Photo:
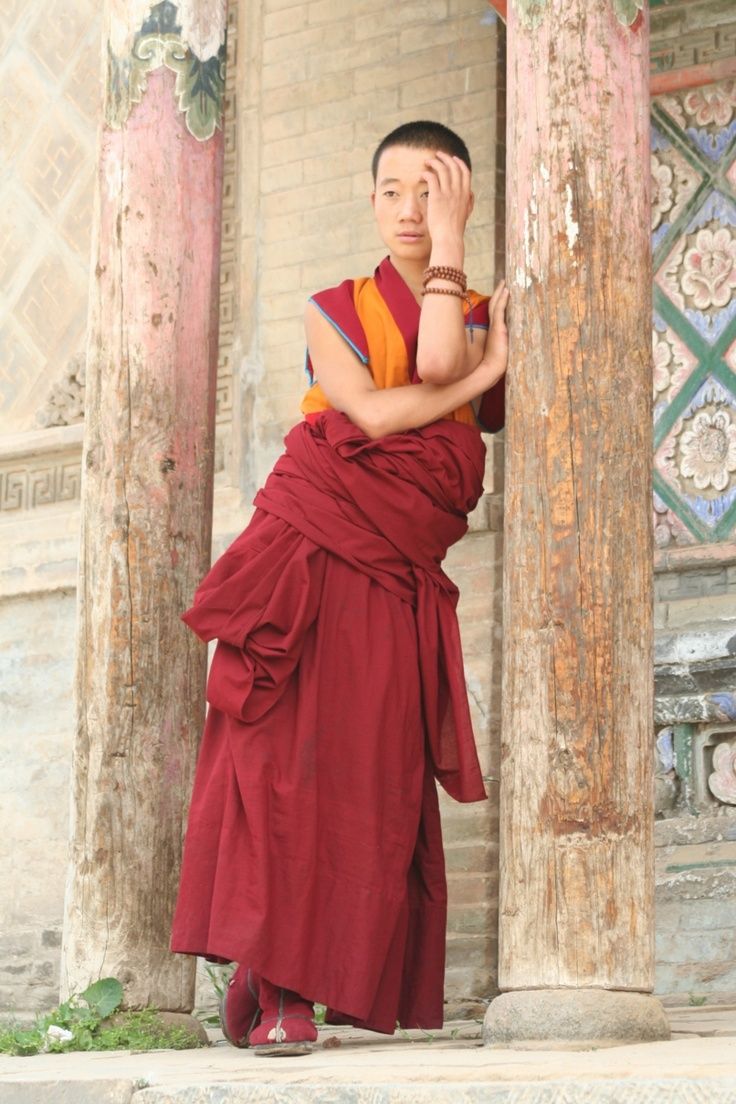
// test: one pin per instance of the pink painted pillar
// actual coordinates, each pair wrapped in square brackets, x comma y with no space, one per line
[576,925]
[146,497]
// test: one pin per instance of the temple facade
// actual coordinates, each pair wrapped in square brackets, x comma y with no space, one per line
[303,93]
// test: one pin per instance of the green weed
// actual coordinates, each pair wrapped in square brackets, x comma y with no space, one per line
[84,1023]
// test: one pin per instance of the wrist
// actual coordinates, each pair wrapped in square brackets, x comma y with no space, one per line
[449,250]
[493,367]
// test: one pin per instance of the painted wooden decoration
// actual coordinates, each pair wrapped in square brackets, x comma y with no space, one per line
[146,502]
[188,38]
[530,11]
[722,781]
[693,152]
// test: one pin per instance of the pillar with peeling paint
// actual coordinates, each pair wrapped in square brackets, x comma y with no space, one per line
[146,492]
[576,926]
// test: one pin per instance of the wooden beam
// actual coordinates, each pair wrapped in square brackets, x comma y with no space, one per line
[673,80]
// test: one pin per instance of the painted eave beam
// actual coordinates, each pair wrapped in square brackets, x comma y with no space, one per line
[672,80]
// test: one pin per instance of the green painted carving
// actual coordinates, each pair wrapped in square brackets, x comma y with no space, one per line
[626,11]
[200,85]
[530,11]
[683,746]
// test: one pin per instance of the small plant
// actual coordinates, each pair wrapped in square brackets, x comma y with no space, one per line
[697,1001]
[84,1023]
[219,977]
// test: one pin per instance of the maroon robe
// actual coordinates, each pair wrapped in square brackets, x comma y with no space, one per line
[336,698]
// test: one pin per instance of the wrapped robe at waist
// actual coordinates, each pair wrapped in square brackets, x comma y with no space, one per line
[389,507]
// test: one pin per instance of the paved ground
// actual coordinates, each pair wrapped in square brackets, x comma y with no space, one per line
[698,1066]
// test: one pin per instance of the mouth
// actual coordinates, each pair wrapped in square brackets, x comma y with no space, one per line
[408,236]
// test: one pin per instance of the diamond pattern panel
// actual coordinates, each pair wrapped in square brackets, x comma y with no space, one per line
[693,150]
[51,97]
[49,66]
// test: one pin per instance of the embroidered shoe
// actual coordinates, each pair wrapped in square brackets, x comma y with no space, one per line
[287,1023]
[239,1009]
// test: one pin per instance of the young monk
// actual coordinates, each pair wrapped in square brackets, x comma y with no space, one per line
[313,855]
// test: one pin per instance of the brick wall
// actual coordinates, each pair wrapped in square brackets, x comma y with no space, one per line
[329,80]
[319,85]
[690,32]
[35,723]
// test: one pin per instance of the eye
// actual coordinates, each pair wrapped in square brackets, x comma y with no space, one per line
[390,193]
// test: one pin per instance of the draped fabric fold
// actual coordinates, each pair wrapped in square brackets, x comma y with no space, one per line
[336,693]
[393,511]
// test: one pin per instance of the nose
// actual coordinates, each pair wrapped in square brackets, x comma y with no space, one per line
[410,211]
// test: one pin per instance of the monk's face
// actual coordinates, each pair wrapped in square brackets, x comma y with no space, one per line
[400,202]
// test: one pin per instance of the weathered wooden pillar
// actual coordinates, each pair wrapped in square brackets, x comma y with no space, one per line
[576,898]
[146,493]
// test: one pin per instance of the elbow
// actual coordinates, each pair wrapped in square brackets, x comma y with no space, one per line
[439,370]
[371,425]
[368,420]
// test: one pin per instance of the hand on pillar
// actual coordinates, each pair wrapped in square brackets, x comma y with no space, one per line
[496,352]
[488,376]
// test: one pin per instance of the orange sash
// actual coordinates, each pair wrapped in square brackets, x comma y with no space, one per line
[378,317]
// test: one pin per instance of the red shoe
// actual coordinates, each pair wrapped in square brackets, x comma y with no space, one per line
[287,1022]
[239,1009]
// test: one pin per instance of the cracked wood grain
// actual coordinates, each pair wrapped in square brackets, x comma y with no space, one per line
[577,709]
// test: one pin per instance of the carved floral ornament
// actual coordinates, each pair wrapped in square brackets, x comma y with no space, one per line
[673,185]
[711,105]
[530,11]
[672,363]
[187,37]
[698,457]
[722,782]
[708,450]
[709,268]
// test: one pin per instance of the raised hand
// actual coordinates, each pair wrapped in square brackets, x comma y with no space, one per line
[449,201]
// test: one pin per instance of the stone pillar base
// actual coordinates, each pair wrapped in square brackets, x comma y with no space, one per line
[573,1019]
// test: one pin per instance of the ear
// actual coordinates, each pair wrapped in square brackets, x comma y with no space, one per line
[471,203]
[373,200]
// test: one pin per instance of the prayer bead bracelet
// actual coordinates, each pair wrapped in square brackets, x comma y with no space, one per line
[445,272]
[448,291]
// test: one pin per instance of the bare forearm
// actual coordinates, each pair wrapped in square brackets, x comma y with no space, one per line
[441,345]
[395,409]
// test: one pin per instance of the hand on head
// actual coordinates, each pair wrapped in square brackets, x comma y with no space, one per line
[450,198]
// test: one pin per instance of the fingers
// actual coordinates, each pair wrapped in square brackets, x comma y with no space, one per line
[441,172]
[451,172]
[497,305]
[495,296]
[464,173]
